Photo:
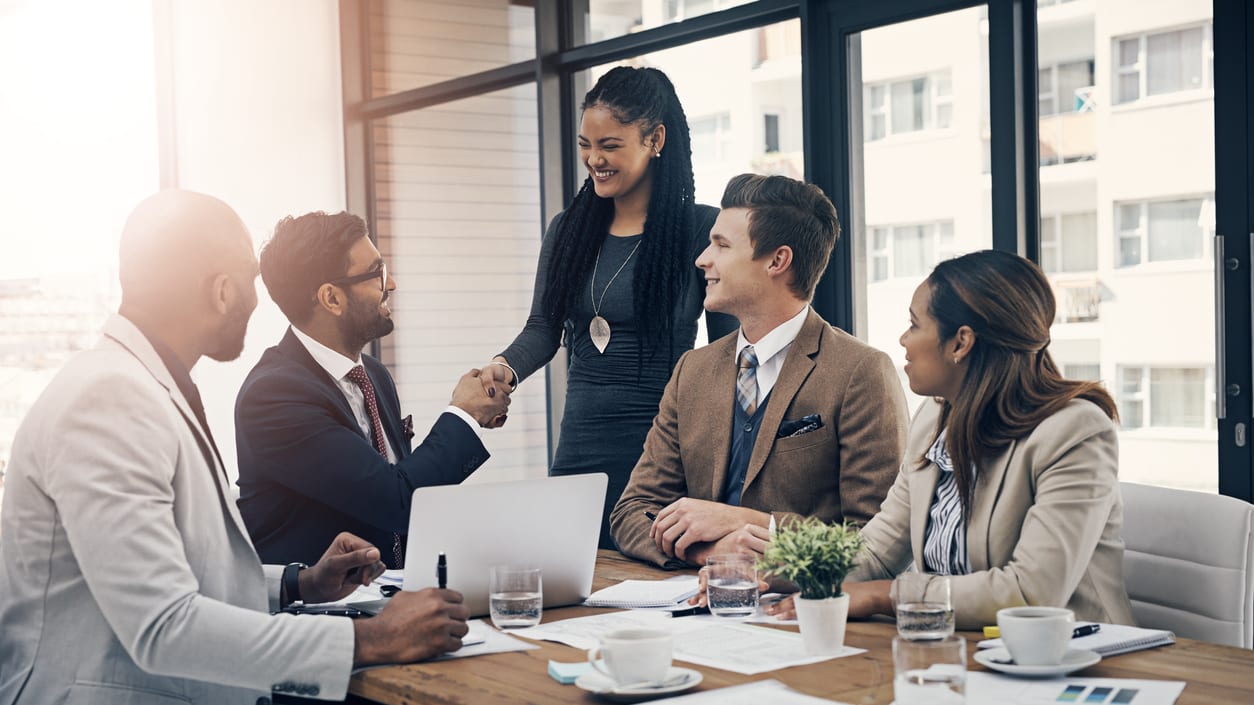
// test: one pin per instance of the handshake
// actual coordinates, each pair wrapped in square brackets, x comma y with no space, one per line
[485,393]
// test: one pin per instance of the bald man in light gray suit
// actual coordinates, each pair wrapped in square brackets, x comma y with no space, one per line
[126,574]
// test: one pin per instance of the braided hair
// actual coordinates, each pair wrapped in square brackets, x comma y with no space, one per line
[646,98]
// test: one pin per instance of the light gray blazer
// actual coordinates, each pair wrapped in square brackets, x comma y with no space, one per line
[1045,521]
[126,574]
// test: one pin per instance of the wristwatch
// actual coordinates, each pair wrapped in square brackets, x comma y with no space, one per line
[291,582]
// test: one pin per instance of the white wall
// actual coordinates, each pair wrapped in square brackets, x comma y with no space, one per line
[257,123]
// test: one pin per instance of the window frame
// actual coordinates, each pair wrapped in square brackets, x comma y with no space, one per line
[1141,68]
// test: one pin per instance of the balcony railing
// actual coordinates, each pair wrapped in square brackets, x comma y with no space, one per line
[1078,300]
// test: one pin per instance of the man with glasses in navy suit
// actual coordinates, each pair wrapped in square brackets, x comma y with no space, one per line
[321,442]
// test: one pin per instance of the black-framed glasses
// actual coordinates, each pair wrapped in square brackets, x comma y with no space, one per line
[381,274]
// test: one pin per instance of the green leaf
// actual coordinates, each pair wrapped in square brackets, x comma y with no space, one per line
[813,554]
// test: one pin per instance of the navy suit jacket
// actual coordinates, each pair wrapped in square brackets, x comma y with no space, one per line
[306,471]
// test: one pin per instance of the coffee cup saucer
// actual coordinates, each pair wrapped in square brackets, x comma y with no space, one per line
[677,680]
[999,660]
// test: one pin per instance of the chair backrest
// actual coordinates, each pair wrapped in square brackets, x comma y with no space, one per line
[1189,563]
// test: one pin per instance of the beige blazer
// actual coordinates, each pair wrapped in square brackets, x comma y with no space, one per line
[126,575]
[840,471]
[1045,521]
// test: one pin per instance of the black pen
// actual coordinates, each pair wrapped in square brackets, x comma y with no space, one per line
[690,611]
[1085,630]
[441,571]
[651,515]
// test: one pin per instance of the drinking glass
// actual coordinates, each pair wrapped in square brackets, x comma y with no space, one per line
[732,588]
[514,596]
[923,606]
[930,672]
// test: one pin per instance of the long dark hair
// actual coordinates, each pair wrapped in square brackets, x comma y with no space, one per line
[1011,383]
[643,97]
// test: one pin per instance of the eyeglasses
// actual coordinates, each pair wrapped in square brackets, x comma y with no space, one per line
[381,274]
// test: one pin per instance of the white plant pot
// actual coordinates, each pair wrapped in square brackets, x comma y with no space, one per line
[822,623]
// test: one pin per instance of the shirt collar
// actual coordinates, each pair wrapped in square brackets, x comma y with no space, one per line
[333,362]
[939,454]
[779,338]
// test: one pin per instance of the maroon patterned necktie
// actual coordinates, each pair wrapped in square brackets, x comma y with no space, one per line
[358,376]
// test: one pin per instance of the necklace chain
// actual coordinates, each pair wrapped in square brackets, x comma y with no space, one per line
[596,306]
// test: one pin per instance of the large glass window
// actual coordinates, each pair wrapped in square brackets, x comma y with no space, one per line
[458,219]
[1127,222]
[415,43]
[923,89]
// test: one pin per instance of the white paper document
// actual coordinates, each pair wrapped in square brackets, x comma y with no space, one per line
[585,632]
[1112,639]
[480,640]
[768,692]
[744,648]
[992,689]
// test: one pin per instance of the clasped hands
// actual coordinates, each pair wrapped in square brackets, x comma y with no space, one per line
[692,529]
[485,394]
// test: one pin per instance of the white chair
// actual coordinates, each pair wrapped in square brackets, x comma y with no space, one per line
[1189,563]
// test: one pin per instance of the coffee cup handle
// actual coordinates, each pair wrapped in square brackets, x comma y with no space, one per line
[594,655]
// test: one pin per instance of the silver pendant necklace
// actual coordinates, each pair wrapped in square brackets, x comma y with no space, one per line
[598,327]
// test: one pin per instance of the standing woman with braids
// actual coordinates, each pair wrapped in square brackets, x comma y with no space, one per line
[1009,482]
[617,276]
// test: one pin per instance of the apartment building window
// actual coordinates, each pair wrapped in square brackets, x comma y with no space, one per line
[1160,231]
[770,130]
[1165,397]
[1086,371]
[711,137]
[909,105]
[1059,84]
[909,250]
[1163,62]
[1069,243]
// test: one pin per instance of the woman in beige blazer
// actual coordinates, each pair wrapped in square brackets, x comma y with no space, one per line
[1009,482]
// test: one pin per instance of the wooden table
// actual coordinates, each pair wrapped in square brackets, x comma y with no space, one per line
[1215,674]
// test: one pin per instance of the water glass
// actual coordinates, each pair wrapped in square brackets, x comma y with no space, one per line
[732,588]
[923,606]
[931,672]
[514,596]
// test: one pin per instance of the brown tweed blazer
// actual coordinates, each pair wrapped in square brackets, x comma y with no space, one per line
[840,471]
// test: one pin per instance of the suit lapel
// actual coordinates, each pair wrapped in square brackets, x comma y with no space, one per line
[717,418]
[132,339]
[992,476]
[292,349]
[797,367]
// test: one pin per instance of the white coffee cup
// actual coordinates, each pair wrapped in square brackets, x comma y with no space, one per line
[633,656]
[1036,636]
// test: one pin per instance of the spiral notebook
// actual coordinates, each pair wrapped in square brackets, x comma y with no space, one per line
[631,594]
[1112,639]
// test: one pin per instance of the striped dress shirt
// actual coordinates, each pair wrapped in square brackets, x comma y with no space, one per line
[945,543]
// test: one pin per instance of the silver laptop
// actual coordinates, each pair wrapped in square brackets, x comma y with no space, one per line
[551,522]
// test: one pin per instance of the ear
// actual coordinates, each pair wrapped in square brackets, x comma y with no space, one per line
[331,298]
[780,261]
[961,344]
[221,293]
[657,140]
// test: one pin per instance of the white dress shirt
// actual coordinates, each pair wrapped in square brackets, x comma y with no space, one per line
[772,350]
[338,366]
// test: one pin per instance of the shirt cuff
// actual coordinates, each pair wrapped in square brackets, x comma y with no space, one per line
[465,416]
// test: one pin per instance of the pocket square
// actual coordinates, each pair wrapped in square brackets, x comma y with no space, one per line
[800,427]
[407,427]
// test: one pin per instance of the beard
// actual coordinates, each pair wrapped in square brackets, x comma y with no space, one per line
[230,339]
[365,322]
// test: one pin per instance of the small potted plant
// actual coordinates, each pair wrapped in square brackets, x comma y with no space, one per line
[816,557]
